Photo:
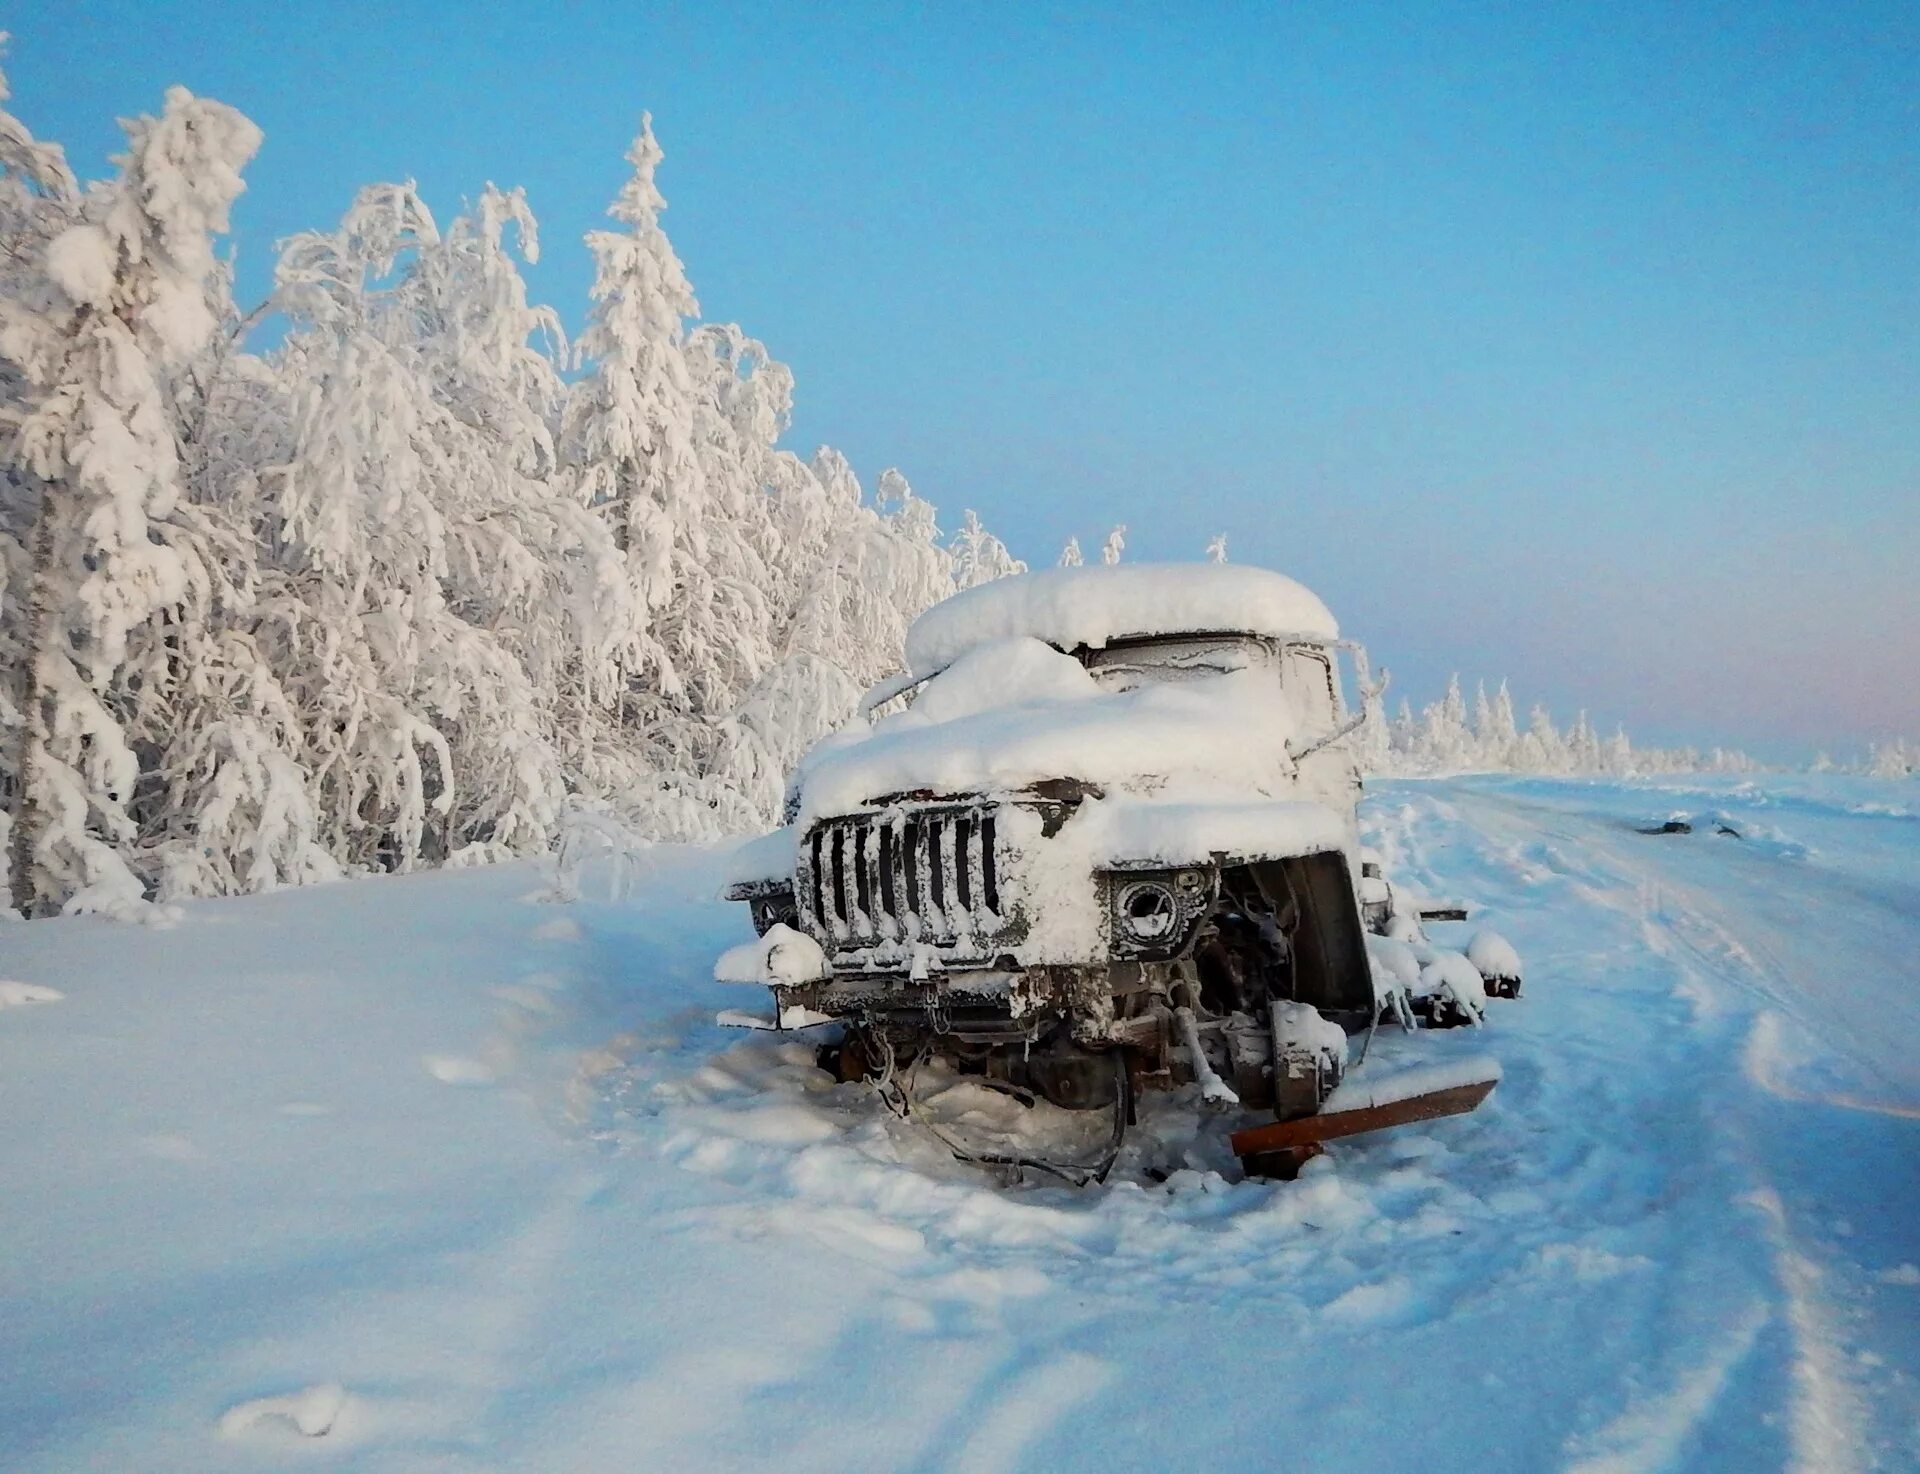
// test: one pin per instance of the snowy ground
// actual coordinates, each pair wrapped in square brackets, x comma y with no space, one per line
[424,1174]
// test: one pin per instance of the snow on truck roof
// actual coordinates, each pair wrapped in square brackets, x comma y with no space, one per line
[1071,607]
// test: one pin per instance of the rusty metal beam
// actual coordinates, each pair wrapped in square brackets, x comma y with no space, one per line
[1455,1100]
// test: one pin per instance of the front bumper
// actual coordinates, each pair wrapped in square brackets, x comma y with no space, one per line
[975,1005]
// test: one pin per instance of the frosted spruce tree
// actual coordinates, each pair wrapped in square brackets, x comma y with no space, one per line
[1498,746]
[978,556]
[630,432]
[1583,746]
[1542,749]
[720,630]
[666,445]
[126,570]
[1441,742]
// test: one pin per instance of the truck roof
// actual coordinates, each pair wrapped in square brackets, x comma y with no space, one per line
[1094,606]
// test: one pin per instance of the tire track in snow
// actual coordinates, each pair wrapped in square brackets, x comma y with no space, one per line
[1653,1432]
[1767,1050]
[1614,1047]
[1829,1420]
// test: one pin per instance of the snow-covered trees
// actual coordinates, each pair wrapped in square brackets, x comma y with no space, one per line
[122,571]
[765,594]
[1443,738]
[445,604]
[629,424]
[1373,741]
[394,593]
[862,574]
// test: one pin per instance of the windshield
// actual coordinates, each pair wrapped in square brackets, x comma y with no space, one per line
[1121,667]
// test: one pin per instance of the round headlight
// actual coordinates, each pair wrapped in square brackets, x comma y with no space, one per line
[769,911]
[1148,911]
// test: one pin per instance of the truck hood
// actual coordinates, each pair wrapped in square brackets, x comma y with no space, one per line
[1015,712]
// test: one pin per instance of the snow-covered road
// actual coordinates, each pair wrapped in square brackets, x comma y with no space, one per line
[469,1181]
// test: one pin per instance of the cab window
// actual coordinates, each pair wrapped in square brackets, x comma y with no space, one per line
[1126,664]
[1307,678]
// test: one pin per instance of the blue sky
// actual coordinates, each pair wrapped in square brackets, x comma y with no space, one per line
[1577,344]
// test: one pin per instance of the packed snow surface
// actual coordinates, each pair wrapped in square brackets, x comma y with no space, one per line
[402,1175]
[1093,606]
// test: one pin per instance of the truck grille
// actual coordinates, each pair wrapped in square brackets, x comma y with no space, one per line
[930,876]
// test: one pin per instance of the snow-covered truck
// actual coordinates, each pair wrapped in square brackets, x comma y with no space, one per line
[1100,838]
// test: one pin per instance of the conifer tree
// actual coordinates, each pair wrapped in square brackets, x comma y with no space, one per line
[630,426]
[978,556]
[114,546]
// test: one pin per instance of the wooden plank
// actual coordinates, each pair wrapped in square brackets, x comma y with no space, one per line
[1455,1100]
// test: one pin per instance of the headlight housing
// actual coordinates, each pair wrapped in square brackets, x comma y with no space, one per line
[773,907]
[1148,911]
[1154,912]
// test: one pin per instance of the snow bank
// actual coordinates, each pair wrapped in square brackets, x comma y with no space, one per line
[660,1245]
[312,1413]
[1070,607]
[17,995]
